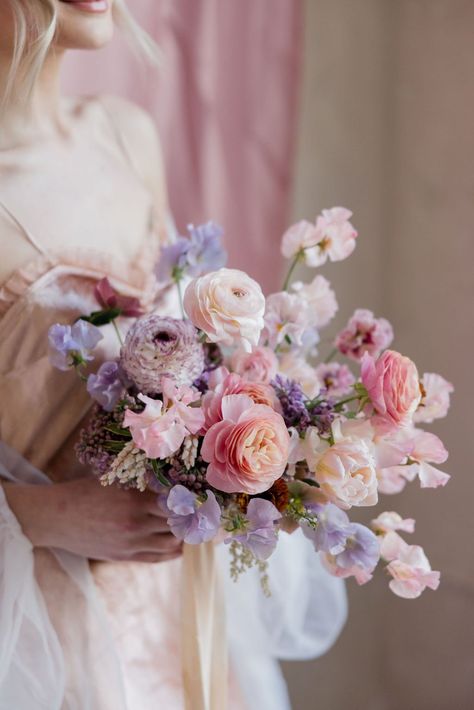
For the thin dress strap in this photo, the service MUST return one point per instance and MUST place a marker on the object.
(121, 140)
(32, 240)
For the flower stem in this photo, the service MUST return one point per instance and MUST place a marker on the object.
(346, 401)
(331, 355)
(180, 295)
(286, 282)
(120, 339)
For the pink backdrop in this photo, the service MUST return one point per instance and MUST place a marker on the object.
(225, 101)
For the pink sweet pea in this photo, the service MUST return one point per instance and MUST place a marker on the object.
(335, 235)
(248, 450)
(320, 299)
(161, 428)
(426, 449)
(364, 334)
(391, 521)
(412, 573)
(300, 237)
(108, 297)
(393, 386)
(435, 400)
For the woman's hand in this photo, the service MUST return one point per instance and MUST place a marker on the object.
(101, 523)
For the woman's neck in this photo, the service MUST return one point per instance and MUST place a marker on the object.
(23, 122)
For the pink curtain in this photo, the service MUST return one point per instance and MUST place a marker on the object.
(225, 101)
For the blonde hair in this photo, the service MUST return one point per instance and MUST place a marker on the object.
(35, 29)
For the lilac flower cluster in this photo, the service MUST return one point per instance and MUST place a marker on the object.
(90, 448)
(293, 402)
(194, 255)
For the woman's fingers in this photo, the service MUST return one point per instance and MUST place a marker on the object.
(155, 557)
(162, 543)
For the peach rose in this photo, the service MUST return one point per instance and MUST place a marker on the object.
(261, 365)
(393, 385)
(247, 451)
(345, 471)
(228, 306)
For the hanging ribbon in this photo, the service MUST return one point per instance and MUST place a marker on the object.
(203, 635)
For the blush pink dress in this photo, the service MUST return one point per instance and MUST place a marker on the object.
(111, 631)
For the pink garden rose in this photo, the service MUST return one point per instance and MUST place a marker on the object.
(320, 299)
(228, 306)
(247, 451)
(345, 471)
(364, 334)
(162, 427)
(222, 383)
(435, 400)
(393, 386)
(261, 365)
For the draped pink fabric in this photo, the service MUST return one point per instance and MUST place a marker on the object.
(225, 101)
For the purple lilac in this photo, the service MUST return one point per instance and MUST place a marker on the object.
(205, 251)
(69, 344)
(105, 386)
(192, 521)
(293, 402)
(260, 534)
(332, 530)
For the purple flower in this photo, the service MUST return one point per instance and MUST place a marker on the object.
(332, 530)
(106, 387)
(205, 249)
(292, 401)
(336, 379)
(173, 261)
(190, 520)
(71, 345)
(259, 535)
(361, 549)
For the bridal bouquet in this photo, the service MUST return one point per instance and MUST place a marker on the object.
(229, 415)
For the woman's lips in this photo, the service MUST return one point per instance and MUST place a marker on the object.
(89, 5)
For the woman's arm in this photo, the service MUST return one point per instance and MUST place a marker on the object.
(102, 523)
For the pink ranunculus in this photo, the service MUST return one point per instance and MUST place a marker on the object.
(412, 573)
(345, 471)
(320, 299)
(393, 386)
(247, 451)
(161, 428)
(391, 521)
(435, 400)
(335, 236)
(223, 383)
(336, 379)
(364, 334)
(261, 365)
(228, 306)
(296, 368)
(286, 318)
(300, 237)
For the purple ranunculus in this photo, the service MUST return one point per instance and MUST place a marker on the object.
(332, 530)
(173, 259)
(106, 386)
(260, 534)
(70, 345)
(190, 520)
(362, 549)
(205, 249)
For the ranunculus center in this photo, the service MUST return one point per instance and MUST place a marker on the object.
(239, 292)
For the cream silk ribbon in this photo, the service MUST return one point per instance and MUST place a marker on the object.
(203, 635)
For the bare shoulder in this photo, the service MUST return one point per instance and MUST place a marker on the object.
(138, 129)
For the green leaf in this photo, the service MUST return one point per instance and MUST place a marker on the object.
(311, 482)
(114, 446)
(115, 429)
(107, 315)
(158, 473)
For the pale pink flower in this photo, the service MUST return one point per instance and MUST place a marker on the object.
(391, 521)
(361, 575)
(261, 365)
(286, 318)
(320, 299)
(435, 400)
(412, 573)
(223, 383)
(335, 236)
(247, 451)
(392, 546)
(300, 237)
(393, 386)
(345, 471)
(336, 379)
(296, 368)
(393, 479)
(426, 448)
(228, 306)
(160, 429)
(364, 334)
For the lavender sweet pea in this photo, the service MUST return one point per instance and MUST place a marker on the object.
(190, 520)
(173, 261)
(106, 386)
(72, 345)
(361, 550)
(332, 530)
(260, 534)
(205, 249)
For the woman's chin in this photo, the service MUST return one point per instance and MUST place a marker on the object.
(79, 28)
